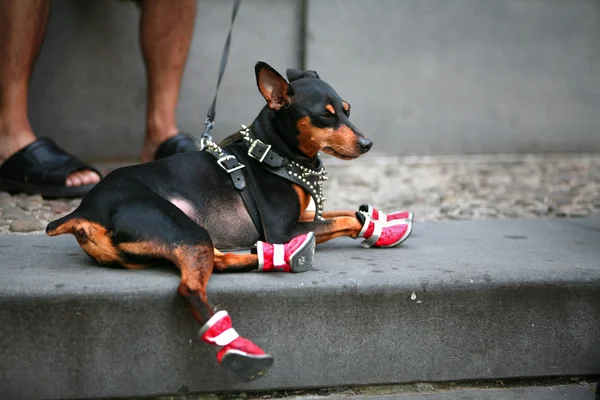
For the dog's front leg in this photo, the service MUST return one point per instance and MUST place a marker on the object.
(310, 215)
(367, 208)
(333, 226)
(375, 233)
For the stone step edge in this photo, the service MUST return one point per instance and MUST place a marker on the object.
(590, 382)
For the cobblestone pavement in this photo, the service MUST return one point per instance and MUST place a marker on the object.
(435, 188)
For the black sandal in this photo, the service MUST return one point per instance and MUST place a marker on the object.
(179, 143)
(42, 168)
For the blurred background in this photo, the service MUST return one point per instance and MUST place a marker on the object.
(423, 76)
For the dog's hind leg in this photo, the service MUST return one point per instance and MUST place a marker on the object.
(156, 229)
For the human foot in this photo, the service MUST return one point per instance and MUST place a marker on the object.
(151, 142)
(177, 143)
(41, 167)
(11, 144)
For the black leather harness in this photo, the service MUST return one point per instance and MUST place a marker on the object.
(311, 179)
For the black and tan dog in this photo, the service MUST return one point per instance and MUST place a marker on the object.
(251, 192)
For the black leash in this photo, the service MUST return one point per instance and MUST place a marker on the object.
(210, 117)
(225, 160)
(309, 179)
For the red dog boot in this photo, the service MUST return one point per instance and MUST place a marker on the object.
(383, 217)
(383, 234)
(238, 355)
(294, 256)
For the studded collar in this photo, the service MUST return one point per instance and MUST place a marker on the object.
(310, 179)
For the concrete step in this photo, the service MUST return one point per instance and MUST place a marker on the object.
(563, 392)
(460, 300)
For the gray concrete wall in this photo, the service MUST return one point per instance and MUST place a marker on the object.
(436, 76)
(88, 88)
(464, 76)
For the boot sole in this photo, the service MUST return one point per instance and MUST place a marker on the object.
(246, 367)
(302, 259)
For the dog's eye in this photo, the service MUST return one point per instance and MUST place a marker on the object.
(327, 114)
(347, 112)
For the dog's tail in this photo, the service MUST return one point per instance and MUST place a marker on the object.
(66, 224)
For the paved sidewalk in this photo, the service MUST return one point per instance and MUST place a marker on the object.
(435, 188)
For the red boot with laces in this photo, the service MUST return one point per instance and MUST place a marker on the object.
(238, 355)
(294, 256)
(383, 234)
(383, 217)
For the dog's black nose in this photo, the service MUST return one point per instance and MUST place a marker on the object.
(364, 144)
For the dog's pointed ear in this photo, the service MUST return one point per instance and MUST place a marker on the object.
(295, 74)
(274, 88)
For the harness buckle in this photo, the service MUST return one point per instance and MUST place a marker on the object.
(229, 163)
(259, 150)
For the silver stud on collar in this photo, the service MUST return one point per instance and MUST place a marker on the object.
(309, 178)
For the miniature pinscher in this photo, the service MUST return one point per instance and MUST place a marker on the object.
(251, 192)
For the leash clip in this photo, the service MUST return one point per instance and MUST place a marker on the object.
(229, 167)
(261, 148)
(206, 137)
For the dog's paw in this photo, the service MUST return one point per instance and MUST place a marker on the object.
(294, 256)
(383, 234)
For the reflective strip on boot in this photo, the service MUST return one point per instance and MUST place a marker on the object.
(218, 330)
(261, 256)
(279, 256)
(371, 240)
(365, 226)
(226, 337)
(377, 215)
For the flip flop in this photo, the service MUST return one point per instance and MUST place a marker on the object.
(42, 168)
(179, 143)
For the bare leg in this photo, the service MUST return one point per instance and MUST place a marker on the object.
(166, 33)
(22, 27)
